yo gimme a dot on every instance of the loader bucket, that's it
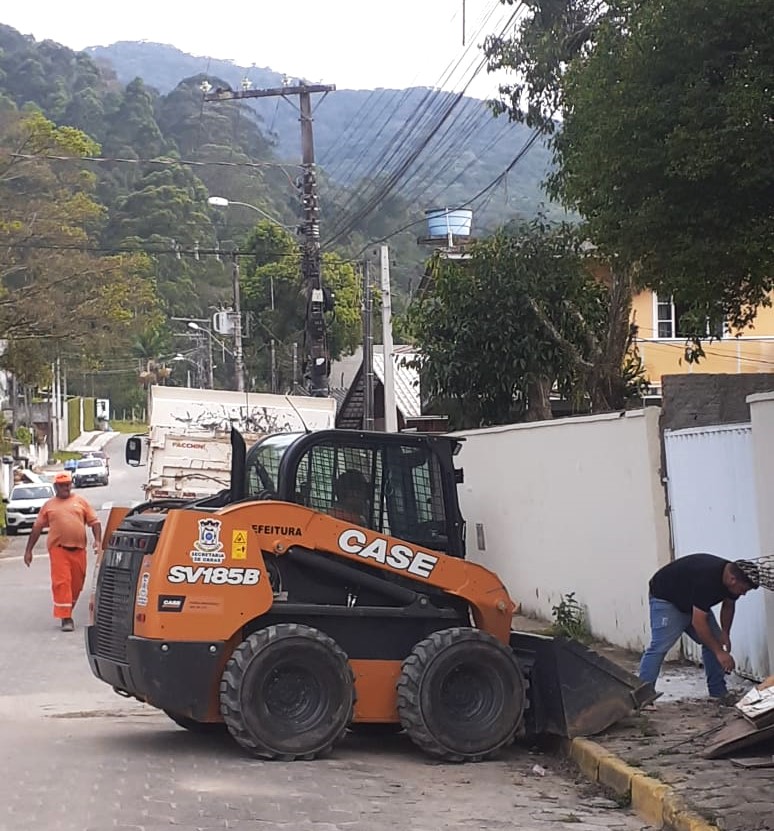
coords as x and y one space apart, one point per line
575 691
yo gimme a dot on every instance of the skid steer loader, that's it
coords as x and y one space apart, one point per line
327 589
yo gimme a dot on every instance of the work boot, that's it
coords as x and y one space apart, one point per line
67 624
728 699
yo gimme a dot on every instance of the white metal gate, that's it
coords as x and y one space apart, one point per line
711 489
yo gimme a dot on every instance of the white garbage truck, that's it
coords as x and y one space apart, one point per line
187 448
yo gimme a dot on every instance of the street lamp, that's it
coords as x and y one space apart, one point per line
222 202
193 325
178 358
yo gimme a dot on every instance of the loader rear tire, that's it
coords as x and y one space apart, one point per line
287 693
461 695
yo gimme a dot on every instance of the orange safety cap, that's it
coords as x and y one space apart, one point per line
63 479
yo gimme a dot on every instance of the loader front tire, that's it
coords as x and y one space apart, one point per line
287 693
461 695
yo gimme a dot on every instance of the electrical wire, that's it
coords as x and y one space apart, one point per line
516 159
177 251
162 162
346 225
364 117
428 107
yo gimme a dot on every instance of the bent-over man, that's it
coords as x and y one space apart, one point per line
682 595
66 515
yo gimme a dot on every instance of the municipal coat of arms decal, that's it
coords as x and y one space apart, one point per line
208 548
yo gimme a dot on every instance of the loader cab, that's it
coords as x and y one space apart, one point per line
399 484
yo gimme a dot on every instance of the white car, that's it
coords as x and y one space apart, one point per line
91 471
22 508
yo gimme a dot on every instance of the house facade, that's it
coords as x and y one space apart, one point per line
662 346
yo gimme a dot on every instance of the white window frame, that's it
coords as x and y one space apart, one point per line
657 320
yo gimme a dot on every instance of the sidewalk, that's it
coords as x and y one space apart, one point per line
654 758
92 440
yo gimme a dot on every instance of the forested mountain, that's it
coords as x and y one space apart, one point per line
361 133
107 172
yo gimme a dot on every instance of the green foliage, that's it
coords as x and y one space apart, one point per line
467 154
24 435
56 296
5 437
570 619
121 426
273 293
521 318
665 145
102 252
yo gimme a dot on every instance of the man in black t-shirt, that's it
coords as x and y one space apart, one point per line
682 595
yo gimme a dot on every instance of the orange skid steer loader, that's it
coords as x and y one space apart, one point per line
327 590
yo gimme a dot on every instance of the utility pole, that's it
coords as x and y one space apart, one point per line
390 413
368 350
316 359
273 366
239 363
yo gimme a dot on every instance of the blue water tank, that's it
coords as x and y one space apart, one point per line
444 221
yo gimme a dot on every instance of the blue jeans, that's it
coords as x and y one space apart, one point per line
667 623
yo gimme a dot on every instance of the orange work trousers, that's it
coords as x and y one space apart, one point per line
68 573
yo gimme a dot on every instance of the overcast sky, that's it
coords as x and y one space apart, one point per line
358 44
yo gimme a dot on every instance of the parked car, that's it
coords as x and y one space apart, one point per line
22 507
91 471
96 454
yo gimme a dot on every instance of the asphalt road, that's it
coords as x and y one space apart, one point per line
75 756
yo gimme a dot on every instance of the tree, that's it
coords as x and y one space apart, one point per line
522 317
665 145
59 296
273 292
165 209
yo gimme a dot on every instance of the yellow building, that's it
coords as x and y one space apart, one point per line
662 349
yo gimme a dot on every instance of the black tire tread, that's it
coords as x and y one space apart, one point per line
231 681
409 683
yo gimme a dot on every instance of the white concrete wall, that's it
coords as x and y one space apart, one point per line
572 505
762 419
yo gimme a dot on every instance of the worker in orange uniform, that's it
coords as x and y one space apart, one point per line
66 515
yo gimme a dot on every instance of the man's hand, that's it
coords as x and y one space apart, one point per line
27 558
725 659
725 641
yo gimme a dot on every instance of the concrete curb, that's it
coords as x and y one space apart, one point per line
651 800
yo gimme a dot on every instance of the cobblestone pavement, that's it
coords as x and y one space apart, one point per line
667 739
666 742
76 757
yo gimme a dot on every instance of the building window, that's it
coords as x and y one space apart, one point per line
665 318
669 315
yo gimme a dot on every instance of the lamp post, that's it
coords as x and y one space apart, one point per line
222 202
177 358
